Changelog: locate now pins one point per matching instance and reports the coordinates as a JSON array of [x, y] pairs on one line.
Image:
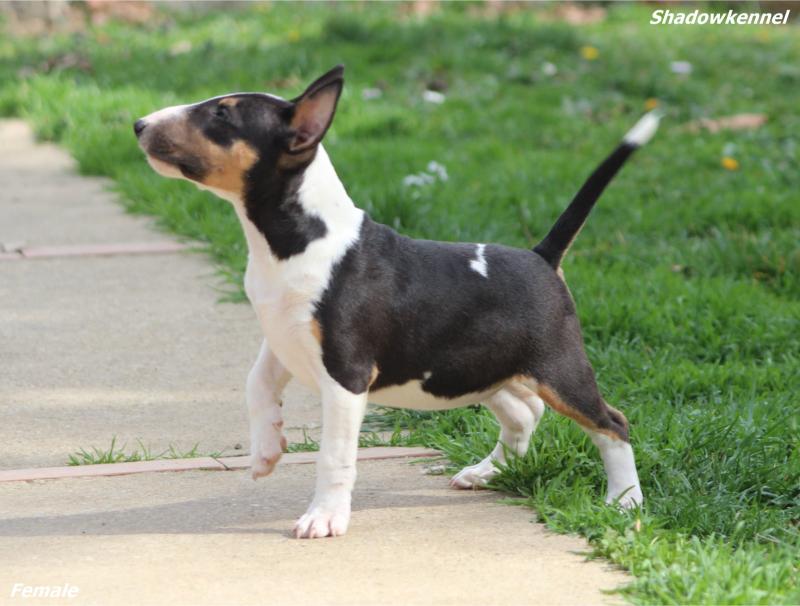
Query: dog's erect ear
[[314, 109]]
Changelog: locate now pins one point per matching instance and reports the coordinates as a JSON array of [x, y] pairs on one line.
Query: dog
[[361, 313]]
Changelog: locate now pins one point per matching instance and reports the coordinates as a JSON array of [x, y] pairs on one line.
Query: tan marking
[[555, 402], [229, 101], [519, 389], [373, 376], [227, 166], [560, 274], [316, 330]]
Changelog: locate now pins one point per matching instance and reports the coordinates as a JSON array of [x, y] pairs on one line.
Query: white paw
[[631, 497], [265, 456], [475, 476], [329, 520]]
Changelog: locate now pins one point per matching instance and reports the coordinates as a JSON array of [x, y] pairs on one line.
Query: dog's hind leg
[[265, 384], [569, 388], [518, 410]]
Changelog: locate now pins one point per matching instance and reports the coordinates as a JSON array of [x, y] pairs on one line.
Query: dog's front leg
[[329, 512], [265, 384]]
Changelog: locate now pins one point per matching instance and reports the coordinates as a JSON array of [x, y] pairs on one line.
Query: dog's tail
[[566, 228]]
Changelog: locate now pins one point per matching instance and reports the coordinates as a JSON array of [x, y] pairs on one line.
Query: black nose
[[138, 127]]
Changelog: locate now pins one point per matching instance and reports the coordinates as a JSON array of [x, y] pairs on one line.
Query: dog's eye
[[222, 112]]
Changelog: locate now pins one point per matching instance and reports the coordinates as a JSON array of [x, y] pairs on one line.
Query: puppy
[[361, 313]]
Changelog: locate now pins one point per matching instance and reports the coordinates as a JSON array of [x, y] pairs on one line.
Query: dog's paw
[[322, 521], [475, 476], [265, 457], [628, 499]]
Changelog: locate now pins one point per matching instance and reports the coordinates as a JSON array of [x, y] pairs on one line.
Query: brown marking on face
[[178, 141], [555, 402], [316, 330], [227, 166]]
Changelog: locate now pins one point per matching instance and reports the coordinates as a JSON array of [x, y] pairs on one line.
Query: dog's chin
[[165, 169]]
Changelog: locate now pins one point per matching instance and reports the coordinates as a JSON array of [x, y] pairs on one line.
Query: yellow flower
[[651, 103], [293, 35], [590, 53], [729, 163]]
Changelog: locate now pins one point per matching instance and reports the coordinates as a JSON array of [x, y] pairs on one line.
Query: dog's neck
[[310, 226]]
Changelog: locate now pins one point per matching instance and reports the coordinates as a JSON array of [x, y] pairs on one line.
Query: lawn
[[687, 276]]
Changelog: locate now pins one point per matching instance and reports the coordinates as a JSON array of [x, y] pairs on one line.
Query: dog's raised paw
[[266, 455], [261, 465], [475, 476]]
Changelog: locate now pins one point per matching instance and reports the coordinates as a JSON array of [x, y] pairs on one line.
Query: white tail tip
[[644, 129]]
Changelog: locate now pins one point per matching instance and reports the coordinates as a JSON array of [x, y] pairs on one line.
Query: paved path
[[200, 538], [137, 346], [133, 346]]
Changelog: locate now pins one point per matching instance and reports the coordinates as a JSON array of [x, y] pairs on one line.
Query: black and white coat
[[361, 313]]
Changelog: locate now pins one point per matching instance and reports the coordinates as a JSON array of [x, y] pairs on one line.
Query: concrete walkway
[[137, 346], [133, 346]]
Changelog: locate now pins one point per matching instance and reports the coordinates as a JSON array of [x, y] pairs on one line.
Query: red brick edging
[[92, 250], [204, 463]]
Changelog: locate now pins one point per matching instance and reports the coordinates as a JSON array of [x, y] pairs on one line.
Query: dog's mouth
[[169, 161]]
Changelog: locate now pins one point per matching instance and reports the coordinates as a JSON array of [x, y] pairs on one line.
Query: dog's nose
[[138, 127]]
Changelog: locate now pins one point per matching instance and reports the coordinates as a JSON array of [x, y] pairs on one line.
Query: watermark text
[[698, 17], [23, 591]]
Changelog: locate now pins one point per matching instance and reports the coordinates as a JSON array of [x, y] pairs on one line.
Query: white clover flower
[[434, 168], [549, 69], [432, 96], [681, 67], [434, 172], [418, 180]]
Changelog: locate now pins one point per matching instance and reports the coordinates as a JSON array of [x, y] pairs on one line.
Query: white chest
[[284, 292], [286, 314]]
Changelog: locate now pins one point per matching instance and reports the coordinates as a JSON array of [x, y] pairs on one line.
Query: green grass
[[687, 276], [367, 439], [119, 454]]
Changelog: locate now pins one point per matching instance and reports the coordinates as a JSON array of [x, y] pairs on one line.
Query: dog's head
[[221, 143]]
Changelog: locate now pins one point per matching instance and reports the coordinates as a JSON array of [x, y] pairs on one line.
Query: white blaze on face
[[479, 262], [164, 114]]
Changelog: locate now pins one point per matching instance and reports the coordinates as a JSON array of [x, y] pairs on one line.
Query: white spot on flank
[[479, 262], [427, 375]]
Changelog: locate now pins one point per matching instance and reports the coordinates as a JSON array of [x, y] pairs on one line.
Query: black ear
[[314, 109]]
